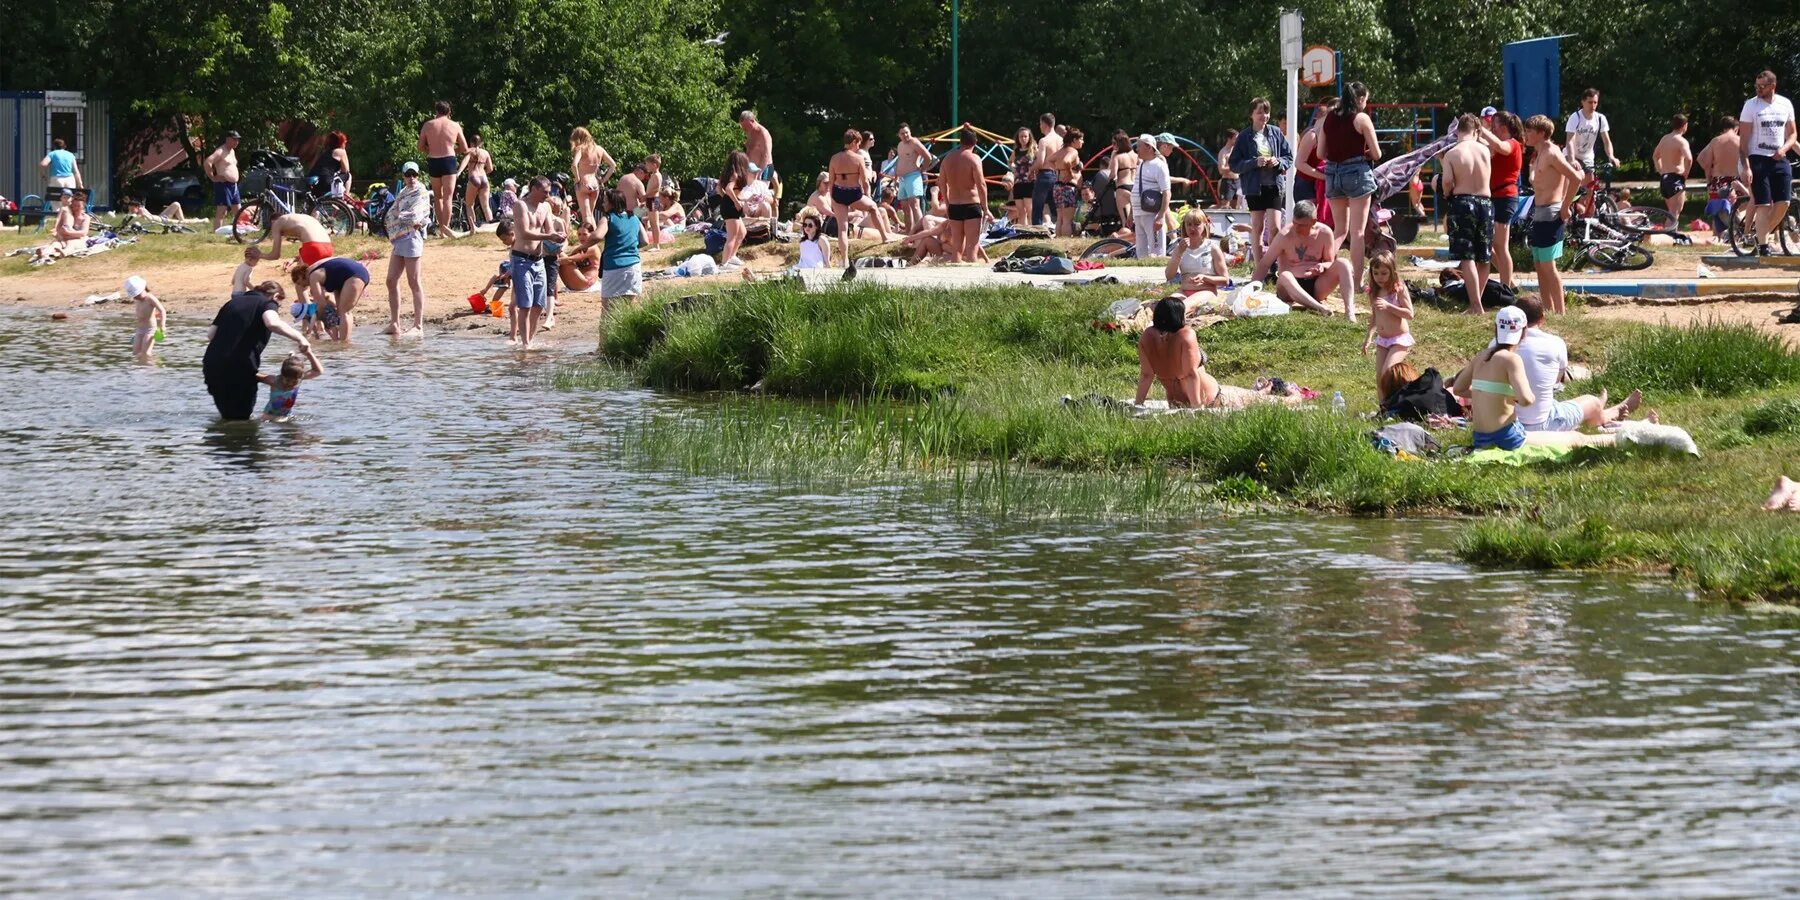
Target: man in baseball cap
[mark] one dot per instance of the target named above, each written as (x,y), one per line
(1488,113)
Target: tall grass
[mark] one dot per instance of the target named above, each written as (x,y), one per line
(1708,357)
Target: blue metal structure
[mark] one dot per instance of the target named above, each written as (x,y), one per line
(1533,76)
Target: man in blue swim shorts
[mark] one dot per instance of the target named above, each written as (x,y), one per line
(910,163)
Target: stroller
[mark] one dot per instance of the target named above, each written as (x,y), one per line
(1103,215)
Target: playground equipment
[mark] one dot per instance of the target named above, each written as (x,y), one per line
(1192,168)
(994,151)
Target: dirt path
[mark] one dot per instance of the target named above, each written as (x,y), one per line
(1761,313)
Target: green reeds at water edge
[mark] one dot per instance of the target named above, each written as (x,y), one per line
(959,392)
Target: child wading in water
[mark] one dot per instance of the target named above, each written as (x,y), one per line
(284,388)
(151,317)
(1390,330)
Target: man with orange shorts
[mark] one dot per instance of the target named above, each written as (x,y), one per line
(313,238)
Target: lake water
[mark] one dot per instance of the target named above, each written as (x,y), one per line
(435,637)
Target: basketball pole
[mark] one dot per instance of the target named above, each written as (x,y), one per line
(1291,50)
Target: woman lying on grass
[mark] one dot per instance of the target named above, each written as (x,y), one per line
(1169,353)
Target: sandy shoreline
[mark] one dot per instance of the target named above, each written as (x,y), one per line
(192,276)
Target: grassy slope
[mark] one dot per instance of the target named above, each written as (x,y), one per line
(975,375)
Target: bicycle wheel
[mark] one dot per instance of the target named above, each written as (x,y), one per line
(336,215)
(459,216)
(1789,229)
(1620,258)
(1648,220)
(1110,248)
(1742,236)
(252,222)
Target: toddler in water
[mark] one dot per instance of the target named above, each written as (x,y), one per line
(284,388)
(1390,330)
(151,317)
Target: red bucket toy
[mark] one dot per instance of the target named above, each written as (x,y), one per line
(478,303)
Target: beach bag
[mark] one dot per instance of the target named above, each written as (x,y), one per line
(714,241)
(1423,396)
(1051,265)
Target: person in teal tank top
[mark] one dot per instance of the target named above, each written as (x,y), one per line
(60,168)
(621,270)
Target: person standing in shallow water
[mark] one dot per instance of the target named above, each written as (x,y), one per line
(234,347)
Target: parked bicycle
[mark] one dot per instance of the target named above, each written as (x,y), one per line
(283,195)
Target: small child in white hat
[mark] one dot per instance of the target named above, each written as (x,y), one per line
(151,317)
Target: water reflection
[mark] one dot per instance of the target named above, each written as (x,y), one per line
(441,636)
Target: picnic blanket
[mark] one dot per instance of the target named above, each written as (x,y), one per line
(45,254)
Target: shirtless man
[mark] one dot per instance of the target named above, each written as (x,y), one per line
(533,224)
(314,239)
(909,168)
(757,146)
(1553,180)
(1720,160)
(653,200)
(1306,254)
(631,185)
(965,193)
(441,139)
(1067,166)
(1673,158)
(222,170)
(1043,174)
(848,176)
(1470,204)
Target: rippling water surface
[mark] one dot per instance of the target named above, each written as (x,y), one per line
(434,637)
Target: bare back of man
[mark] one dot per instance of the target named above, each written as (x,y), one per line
(1673,158)
(964,195)
(441,139)
(1469,222)
(312,236)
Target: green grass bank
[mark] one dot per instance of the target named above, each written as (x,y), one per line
(872,382)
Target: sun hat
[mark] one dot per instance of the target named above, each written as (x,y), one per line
(409,167)
(1166,138)
(1509,325)
(134,286)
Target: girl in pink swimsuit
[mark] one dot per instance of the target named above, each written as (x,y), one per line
(1390,327)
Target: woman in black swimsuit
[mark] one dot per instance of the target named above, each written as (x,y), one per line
(735,178)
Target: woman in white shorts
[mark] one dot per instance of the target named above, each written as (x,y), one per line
(407,220)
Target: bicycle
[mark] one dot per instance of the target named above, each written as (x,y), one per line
(1608,247)
(283,195)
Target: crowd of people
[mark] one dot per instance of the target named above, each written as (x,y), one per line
(589,229)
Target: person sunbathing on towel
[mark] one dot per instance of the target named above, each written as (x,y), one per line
(1169,353)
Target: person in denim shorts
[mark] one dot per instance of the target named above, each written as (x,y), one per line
(1347,141)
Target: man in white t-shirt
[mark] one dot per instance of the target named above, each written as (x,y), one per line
(1147,226)
(1587,127)
(1766,134)
(1546,358)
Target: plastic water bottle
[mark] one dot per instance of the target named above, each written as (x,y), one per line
(1337,401)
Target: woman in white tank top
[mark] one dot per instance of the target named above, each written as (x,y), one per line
(1196,260)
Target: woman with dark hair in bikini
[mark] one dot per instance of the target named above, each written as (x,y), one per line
(1024,148)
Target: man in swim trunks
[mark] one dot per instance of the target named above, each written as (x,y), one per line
(1066,163)
(1043,174)
(314,239)
(848,176)
(442,141)
(1305,253)
(1673,158)
(965,193)
(910,163)
(758,146)
(1720,160)
(631,186)
(1553,180)
(534,223)
(222,170)
(1470,218)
